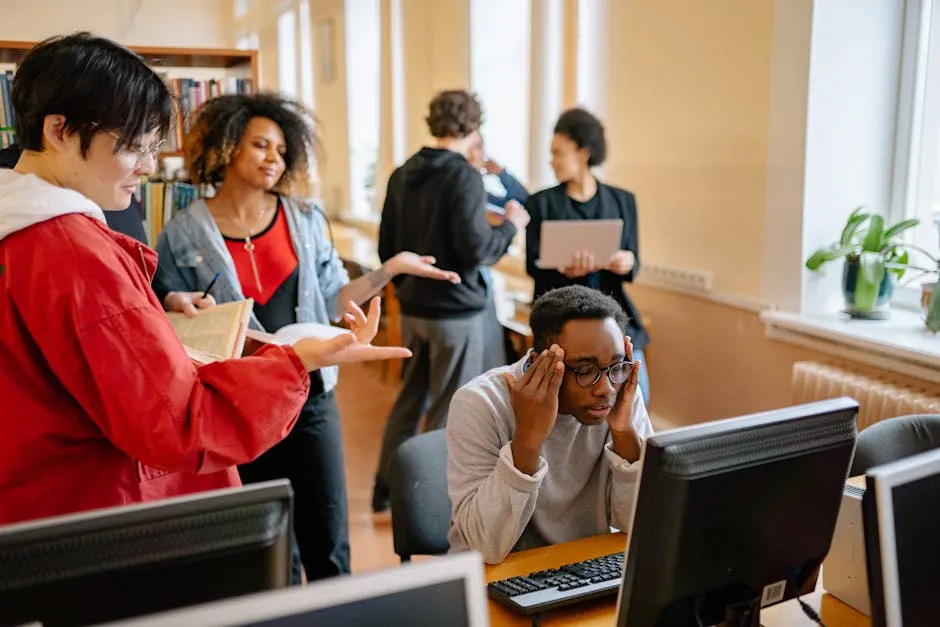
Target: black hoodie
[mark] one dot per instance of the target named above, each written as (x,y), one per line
(435,205)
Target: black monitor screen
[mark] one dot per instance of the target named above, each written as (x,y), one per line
(436,605)
(916,516)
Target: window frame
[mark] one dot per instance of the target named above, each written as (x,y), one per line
(917,137)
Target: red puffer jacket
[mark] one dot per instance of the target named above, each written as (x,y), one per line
(99,404)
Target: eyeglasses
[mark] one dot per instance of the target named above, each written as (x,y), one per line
(588,376)
(142,153)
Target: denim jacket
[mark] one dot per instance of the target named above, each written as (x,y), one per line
(191,250)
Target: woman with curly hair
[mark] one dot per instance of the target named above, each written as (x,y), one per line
(270,245)
(101,406)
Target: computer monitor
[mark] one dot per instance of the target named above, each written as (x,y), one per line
(118,562)
(735,515)
(901,509)
(447,591)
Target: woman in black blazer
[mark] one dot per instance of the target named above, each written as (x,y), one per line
(578,146)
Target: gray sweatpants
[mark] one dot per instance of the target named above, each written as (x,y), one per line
(446,354)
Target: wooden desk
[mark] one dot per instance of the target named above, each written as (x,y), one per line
(603,612)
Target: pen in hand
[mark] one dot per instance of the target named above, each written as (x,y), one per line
(211,283)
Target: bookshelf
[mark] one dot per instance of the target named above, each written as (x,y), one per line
(194,75)
(197,65)
(159,56)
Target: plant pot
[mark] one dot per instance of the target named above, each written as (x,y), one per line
(930,304)
(883,301)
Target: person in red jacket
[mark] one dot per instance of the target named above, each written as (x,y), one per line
(99,403)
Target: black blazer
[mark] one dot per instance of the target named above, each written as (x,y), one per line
(614,203)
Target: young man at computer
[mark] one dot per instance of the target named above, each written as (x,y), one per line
(544,451)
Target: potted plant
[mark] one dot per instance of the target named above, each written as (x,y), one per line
(929,295)
(875,258)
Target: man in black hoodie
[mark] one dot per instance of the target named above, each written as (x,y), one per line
(435,205)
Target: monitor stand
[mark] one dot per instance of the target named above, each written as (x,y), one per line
(745,614)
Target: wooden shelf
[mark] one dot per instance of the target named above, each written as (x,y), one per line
(160,56)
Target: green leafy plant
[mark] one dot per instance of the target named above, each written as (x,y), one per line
(877,249)
(932,307)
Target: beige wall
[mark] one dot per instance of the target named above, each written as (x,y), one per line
(710,361)
(330,105)
(436,56)
(187,23)
(687,123)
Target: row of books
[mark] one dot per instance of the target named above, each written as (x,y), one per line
(161,200)
(190,94)
(6,109)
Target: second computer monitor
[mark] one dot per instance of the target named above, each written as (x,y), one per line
(734,515)
(138,559)
(902,541)
(447,591)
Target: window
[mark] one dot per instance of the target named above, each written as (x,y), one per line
(306,54)
(363,67)
(916,192)
(287,53)
(499,74)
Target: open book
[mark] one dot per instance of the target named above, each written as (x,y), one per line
(290,334)
(214,334)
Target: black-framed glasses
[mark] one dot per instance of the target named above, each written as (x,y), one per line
(588,376)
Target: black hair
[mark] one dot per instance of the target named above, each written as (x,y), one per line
(454,113)
(556,308)
(218,127)
(96,84)
(586,131)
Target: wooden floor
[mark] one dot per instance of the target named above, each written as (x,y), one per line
(364,402)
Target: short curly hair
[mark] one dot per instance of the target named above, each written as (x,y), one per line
(218,126)
(556,308)
(454,113)
(586,131)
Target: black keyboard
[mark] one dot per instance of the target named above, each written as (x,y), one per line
(548,589)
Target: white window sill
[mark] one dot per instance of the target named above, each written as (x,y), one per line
(900,344)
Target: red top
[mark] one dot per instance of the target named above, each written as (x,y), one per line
(274,256)
(99,403)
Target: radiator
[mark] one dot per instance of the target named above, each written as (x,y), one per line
(878,396)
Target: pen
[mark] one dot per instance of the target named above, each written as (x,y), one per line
(211,283)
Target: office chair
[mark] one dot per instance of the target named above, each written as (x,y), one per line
(419,501)
(895,438)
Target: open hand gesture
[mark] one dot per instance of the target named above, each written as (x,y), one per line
(419,265)
(346,348)
(364,327)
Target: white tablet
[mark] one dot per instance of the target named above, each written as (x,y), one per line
(562,239)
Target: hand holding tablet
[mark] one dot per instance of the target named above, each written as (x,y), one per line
(578,247)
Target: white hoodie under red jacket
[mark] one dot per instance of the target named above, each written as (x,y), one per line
(99,403)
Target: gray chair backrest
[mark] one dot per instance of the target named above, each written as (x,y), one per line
(419,500)
(894,439)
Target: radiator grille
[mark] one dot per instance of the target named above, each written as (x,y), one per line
(878,396)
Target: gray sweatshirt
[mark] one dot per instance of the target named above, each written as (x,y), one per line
(581,487)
